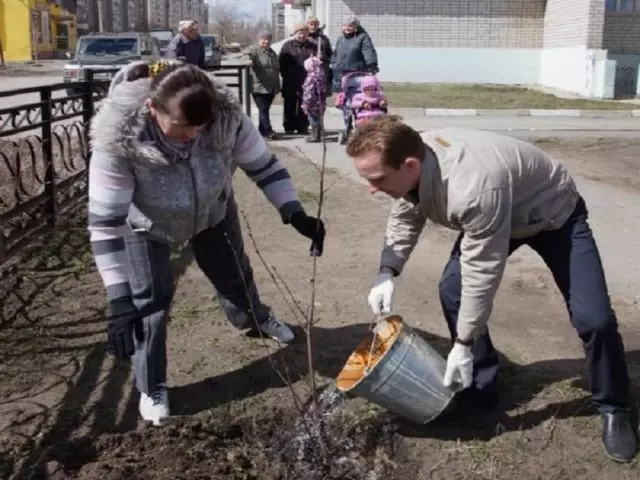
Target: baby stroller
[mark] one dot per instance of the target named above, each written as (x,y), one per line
(352,86)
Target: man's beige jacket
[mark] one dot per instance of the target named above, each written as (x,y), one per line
(491,187)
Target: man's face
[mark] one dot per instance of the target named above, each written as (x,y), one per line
(191,33)
(385,179)
(264,43)
(312,27)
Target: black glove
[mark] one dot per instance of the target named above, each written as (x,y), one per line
(124,322)
(312,228)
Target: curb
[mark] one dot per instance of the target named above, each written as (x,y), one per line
(497,112)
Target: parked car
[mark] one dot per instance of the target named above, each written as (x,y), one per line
(108,53)
(213,51)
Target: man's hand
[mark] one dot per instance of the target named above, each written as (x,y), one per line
(381,295)
(383,103)
(124,322)
(312,228)
(459,366)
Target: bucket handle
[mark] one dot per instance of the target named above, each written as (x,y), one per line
(374,322)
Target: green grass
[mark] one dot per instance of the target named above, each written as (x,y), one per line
(451,95)
(435,95)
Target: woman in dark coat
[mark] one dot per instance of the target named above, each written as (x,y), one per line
(292,56)
(354,52)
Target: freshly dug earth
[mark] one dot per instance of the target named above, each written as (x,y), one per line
(68,411)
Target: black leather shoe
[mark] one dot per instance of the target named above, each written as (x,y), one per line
(619,437)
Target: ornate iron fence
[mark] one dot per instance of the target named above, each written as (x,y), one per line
(44,153)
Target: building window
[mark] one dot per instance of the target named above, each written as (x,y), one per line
(623,5)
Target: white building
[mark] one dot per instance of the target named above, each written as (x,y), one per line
(590,47)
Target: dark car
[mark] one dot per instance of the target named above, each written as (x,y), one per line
(107,53)
(212,51)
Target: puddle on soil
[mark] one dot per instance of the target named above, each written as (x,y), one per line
(369,353)
(311,435)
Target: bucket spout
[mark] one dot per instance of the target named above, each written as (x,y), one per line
(397,369)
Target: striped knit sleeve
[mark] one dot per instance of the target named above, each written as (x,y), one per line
(253,156)
(111,186)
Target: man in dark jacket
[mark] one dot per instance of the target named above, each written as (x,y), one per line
(187,45)
(354,52)
(324,50)
(292,56)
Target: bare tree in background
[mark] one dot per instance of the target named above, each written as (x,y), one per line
(226,24)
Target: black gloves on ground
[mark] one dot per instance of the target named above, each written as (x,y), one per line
(124,322)
(312,228)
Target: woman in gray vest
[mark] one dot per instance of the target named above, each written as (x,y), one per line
(166,143)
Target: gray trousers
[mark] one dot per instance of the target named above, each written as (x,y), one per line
(153,287)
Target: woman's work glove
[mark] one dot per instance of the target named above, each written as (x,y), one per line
(381,295)
(312,228)
(459,366)
(124,322)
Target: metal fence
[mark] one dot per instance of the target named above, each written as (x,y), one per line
(44,153)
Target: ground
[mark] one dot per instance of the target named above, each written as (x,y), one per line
(68,411)
(451,95)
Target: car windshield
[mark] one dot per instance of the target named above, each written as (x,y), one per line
(208,42)
(108,46)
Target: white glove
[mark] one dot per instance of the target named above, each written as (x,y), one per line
(459,366)
(381,295)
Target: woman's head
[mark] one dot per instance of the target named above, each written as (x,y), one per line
(181,98)
(313,25)
(300,32)
(264,39)
(350,25)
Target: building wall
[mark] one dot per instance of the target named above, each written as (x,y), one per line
(570,23)
(445,23)
(15,31)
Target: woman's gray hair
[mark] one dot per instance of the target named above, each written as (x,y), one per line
(351,20)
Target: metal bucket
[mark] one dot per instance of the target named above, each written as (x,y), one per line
(398,370)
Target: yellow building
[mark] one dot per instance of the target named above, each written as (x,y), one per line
(35,29)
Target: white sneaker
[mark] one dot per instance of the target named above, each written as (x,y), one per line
(154,408)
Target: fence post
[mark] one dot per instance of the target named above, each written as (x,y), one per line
(47,154)
(246,88)
(88,108)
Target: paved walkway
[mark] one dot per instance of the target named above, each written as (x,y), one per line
(611,208)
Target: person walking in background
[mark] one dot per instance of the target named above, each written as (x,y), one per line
(292,56)
(166,143)
(187,45)
(265,70)
(314,97)
(323,50)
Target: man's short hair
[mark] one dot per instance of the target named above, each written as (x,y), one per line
(387,135)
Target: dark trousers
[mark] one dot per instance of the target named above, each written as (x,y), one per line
(573,258)
(294,117)
(263,102)
(215,250)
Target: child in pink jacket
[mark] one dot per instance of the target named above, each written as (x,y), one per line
(371,102)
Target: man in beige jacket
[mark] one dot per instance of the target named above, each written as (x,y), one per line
(500,193)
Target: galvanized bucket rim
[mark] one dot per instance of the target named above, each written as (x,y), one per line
(384,355)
